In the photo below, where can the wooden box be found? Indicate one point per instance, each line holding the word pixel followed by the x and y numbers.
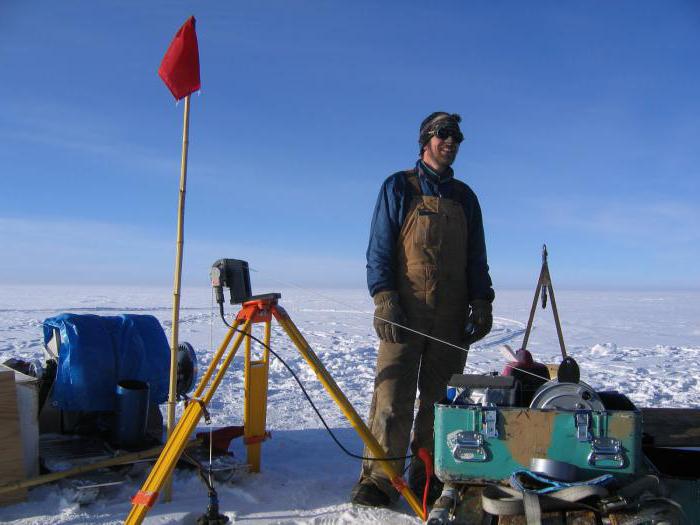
pixel 12 457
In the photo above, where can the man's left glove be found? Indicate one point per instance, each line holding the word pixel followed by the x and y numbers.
pixel 388 311
pixel 479 321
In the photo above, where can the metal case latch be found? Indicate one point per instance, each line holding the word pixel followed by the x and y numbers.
pixel 606 452
pixel 490 419
pixel 469 446
pixel 583 425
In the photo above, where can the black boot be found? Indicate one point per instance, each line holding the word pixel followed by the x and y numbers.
pixel 367 494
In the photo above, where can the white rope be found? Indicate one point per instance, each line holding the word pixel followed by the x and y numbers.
pixel 211 323
pixel 428 336
pixel 354 309
pixel 211 350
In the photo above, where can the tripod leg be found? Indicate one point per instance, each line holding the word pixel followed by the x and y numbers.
pixel 255 408
pixel 557 323
pixel 147 496
pixel 533 309
pixel 337 395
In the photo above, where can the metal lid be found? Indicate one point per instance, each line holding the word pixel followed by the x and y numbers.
pixel 567 396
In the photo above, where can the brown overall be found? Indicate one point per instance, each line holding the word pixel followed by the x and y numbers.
pixel 432 286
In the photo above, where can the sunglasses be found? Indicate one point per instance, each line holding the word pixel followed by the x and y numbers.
pixel 444 132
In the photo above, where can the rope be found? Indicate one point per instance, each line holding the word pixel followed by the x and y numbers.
pixel 409 329
pixel 211 350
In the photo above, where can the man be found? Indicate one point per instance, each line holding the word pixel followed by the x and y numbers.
pixel 426 271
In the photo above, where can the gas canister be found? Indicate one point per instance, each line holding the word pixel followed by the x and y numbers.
pixel 528 372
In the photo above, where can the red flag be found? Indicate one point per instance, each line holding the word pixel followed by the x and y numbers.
pixel 180 66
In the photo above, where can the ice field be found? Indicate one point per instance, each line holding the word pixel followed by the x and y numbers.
pixel 644 344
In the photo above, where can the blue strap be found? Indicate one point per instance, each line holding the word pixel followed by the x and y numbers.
pixel 552 484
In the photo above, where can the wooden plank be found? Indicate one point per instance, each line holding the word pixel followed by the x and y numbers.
pixel 11 458
pixel 121 459
pixel 581 517
pixel 468 508
pixel 671 427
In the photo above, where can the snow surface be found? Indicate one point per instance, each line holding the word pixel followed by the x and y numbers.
pixel 644 344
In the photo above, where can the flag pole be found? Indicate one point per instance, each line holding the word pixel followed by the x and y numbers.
pixel 174 343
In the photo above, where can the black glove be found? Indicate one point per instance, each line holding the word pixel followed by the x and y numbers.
pixel 479 321
pixel 388 311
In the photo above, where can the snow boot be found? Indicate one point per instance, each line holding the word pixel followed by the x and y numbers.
pixel 367 494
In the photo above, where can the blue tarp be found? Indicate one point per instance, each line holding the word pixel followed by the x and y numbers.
pixel 98 351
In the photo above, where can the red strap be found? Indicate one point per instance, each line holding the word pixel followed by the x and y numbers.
pixel 252 440
pixel 144 498
pixel 428 462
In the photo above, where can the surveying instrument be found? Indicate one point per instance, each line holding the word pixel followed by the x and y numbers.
pixel 234 275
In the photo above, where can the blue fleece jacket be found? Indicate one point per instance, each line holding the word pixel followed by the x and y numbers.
pixel 390 212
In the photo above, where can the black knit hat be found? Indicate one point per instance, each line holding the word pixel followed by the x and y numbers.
pixel 429 123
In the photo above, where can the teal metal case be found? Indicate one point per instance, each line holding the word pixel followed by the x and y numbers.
pixel 475 443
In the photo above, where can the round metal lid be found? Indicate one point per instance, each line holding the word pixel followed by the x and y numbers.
pixel 567 396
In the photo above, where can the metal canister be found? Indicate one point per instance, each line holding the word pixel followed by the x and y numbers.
pixel 131 414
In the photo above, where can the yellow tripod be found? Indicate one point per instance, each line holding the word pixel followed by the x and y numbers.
pixel 261 309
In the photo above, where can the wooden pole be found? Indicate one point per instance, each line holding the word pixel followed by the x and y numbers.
pixel 174 342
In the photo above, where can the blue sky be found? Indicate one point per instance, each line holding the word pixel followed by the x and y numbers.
pixel 582 122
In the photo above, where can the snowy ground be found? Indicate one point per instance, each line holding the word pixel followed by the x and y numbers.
pixel 645 344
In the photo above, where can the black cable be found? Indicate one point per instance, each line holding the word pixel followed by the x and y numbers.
pixel 200 470
pixel 308 398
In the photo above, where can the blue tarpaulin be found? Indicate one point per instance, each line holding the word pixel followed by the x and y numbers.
pixel 98 351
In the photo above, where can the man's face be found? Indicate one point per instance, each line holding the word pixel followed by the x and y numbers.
pixel 440 153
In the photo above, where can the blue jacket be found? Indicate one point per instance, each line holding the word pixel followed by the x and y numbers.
pixel 390 212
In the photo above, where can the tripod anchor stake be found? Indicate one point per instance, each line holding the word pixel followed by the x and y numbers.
pixel 212 516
